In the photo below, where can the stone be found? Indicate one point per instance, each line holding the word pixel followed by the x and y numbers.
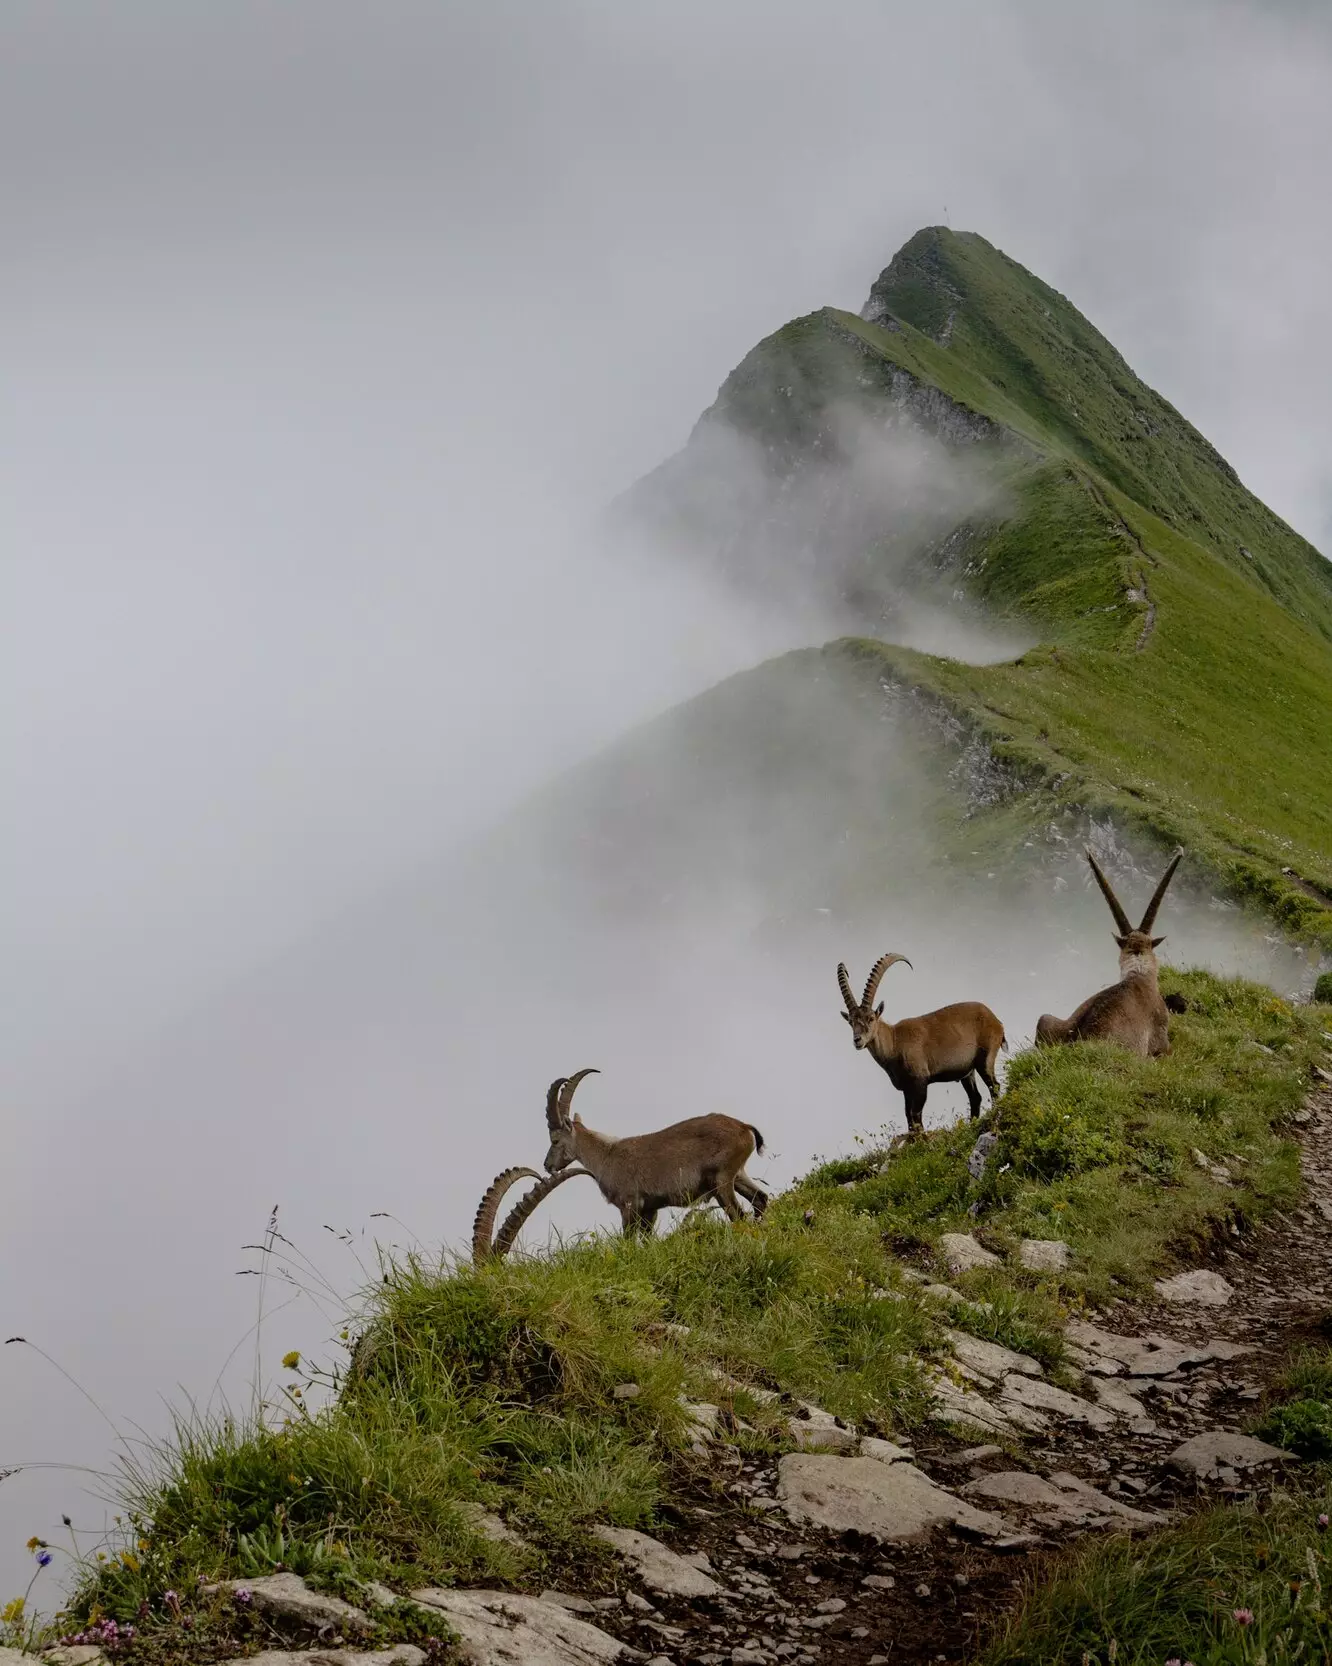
pixel 404 1654
pixel 290 1598
pixel 1206 1454
pixel 886 1451
pixel 1201 1286
pixel 501 1628
pixel 989 1358
pixel 961 1251
pixel 816 1428
pixel 626 1391
pixel 964 1408
pixel 70 1654
pixel 981 1152
pixel 878 1582
pixel 1227 1351
pixel 1142 1356
pixel 1116 1398
pixel 1045 1397
pixel 1044 1255
pixel 886 1502
pixel 491 1527
pixel 943 1293
pixel 1061 1501
pixel 573 1604
pixel 661 1570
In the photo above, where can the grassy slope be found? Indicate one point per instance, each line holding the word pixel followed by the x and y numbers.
pixel 496 1387
pixel 1214 730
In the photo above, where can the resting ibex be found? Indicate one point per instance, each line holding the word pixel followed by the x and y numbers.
pixel 1132 1011
pixel 954 1044
pixel 689 1162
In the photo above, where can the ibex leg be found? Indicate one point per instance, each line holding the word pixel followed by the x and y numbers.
pixel 973 1093
pixel 915 1109
pixel 756 1195
pixel 725 1195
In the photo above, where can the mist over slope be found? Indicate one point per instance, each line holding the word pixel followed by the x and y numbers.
pixel 1181 672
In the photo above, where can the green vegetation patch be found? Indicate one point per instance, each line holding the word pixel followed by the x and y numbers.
pixel 496 1389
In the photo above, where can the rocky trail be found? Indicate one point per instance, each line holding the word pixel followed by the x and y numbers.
pixel 855 1551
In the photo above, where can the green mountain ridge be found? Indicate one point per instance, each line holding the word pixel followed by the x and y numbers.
pixel 1183 676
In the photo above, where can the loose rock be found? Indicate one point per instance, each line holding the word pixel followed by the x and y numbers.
pixel 1201 1286
pixel 1061 1501
pixel 499 1628
pixel 660 1569
pixel 288 1596
pixel 1206 1455
pixel 1044 1255
pixel 1045 1397
pixel 887 1502
pixel 961 1251
pixel 989 1358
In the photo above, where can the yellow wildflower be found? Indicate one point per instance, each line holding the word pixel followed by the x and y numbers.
pixel 292 1360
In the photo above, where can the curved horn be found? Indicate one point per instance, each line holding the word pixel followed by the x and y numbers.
pixel 567 1092
pixel 522 1210
pixel 483 1226
pixel 879 967
pixel 553 1118
pixel 844 984
pixel 1121 918
pixel 1149 918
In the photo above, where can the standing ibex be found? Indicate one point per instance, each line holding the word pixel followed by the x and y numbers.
pixel 1132 1011
pixel 954 1044
pixel 689 1162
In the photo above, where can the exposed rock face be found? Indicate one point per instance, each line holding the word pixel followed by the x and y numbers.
pixel 405 1654
pixel 989 1358
pixel 1045 1397
pixel 498 1628
pixel 660 1569
pixel 820 1430
pixel 887 1502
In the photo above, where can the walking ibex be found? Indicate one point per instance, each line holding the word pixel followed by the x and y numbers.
pixel 1132 1011
pixel 689 1162
pixel 954 1044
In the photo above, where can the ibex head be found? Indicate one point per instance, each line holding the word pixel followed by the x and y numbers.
pixel 861 1015
pixel 1136 944
pixel 559 1097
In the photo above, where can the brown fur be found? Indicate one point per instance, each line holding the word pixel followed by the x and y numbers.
pixel 641 1174
pixel 952 1044
pixel 1132 1012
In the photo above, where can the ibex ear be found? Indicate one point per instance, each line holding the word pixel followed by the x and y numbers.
pixel 878 1011
pixel 1120 940
pixel 1157 942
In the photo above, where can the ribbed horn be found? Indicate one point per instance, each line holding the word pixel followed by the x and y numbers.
pixel 567 1091
pixel 522 1210
pixel 844 984
pixel 1121 918
pixel 879 967
pixel 1149 918
pixel 483 1226
pixel 553 1104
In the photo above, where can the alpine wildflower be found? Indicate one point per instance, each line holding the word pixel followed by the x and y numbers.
pixel 292 1360
pixel 1244 1617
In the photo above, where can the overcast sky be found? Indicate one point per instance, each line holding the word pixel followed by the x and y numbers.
pixel 325 326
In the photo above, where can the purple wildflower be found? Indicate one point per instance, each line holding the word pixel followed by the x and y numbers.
pixel 171 1602
pixel 1322 1522
pixel 244 1598
pixel 1244 1616
pixel 43 1558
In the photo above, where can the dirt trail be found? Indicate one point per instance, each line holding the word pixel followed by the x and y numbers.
pixel 798 1593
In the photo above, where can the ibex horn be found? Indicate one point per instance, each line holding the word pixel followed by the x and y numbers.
pixel 844 984
pixel 522 1210
pixel 567 1091
pixel 483 1226
pixel 1149 918
pixel 553 1104
pixel 879 967
pixel 1121 918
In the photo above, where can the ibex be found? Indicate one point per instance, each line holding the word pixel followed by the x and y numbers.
pixel 689 1162
pixel 1132 1011
pixel 954 1044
